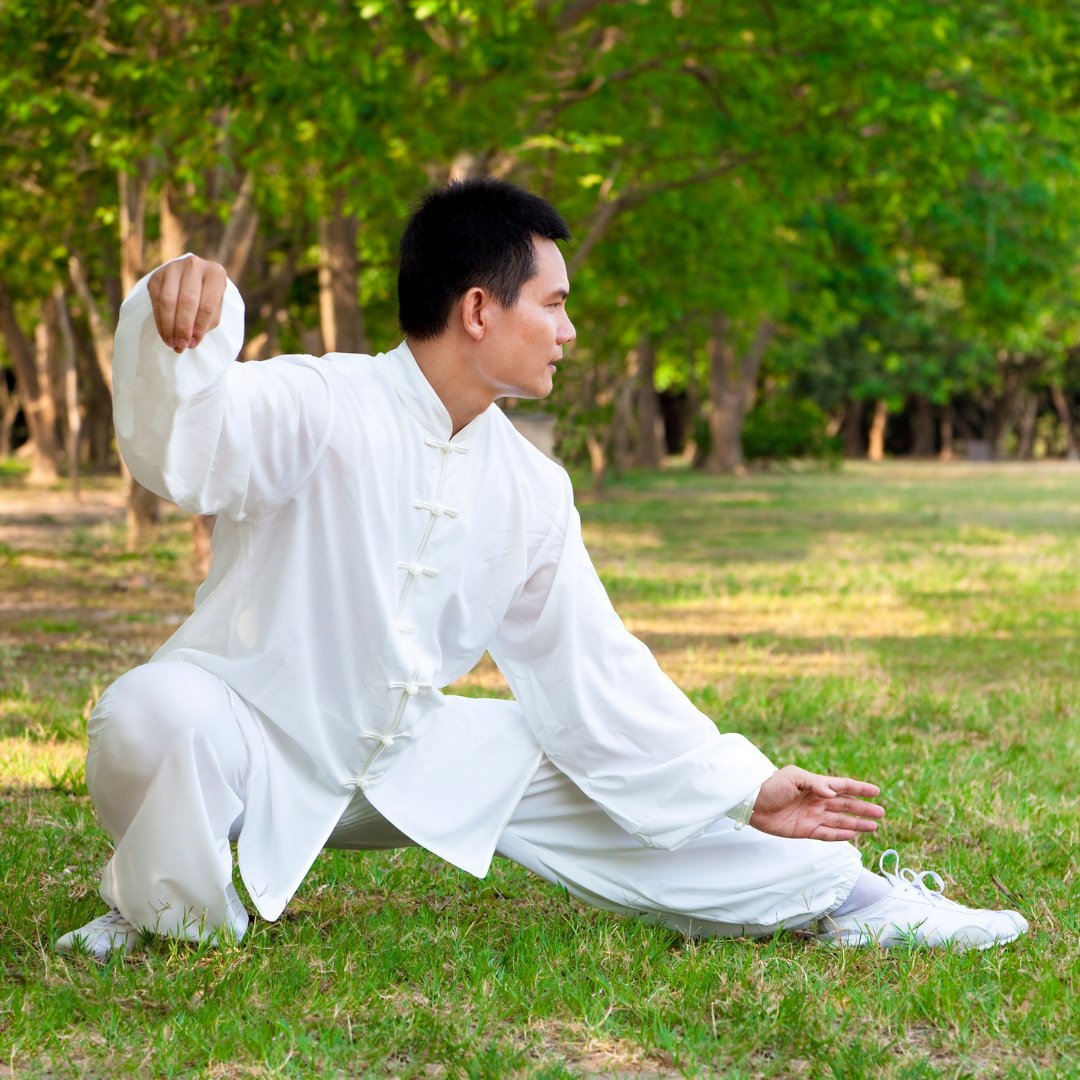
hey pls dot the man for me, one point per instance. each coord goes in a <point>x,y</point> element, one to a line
<point>381,526</point>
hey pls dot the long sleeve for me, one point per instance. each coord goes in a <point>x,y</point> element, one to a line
<point>214,435</point>
<point>605,713</point>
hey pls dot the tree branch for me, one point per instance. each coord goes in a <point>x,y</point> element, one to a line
<point>103,338</point>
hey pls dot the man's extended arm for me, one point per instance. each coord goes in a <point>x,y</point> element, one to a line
<point>608,717</point>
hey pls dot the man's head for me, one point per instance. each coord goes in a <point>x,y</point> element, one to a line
<point>470,234</point>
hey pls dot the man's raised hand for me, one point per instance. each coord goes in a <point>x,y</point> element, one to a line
<point>187,295</point>
<point>801,804</point>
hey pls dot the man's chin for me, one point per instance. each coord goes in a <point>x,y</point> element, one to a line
<point>535,393</point>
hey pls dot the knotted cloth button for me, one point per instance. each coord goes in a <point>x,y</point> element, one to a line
<point>386,738</point>
<point>446,447</point>
<point>435,509</point>
<point>416,569</point>
<point>412,688</point>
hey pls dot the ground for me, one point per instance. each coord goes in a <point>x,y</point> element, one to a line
<point>916,625</point>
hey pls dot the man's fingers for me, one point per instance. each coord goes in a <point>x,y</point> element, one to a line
<point>855,807</point>
<point>845,821</point>
<point>825,832</point>
<point>825,787</point>
<point>208,314</point>
<point>841,827</point>
<point>844,785</point>
<point>163,288</point>
<point>187,298</point>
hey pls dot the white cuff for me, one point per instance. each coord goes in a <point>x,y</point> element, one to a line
<point>742,812</point>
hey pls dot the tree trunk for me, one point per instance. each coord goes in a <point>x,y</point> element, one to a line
<point>922,427</point>
<point>100,325</point>
<point>240,229</point>
<point>70,383</point>
<point>272,311</point>
<point>10,403</point>
<point>732,389</point>
<point>851,427</point>
<point>340,317</point>
<point>45,365</point>
<point>622,422</point>
<point>174,236</point>
<point>1027,415</point>
<point>45,465</point>
<point>597,460</point>
<point>143,506</point>
<point>1004,408</point>
<point>1067,421</point>
<point>875,450</point>
<point>202,531</point>
<point>94,345</point>
<point>598,435</point>
<point>948,437</point>
<point>132,227</point>
<point>650,424</point>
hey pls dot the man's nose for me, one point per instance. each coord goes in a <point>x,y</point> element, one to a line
<point>567,333</point>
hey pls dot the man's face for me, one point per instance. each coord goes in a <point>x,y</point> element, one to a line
<point>525,342</point>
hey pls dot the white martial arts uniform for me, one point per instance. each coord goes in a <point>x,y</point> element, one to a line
<point>363,560</point>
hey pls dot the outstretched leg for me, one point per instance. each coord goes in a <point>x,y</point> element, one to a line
<point>727,882</point>
<point>735,882</point>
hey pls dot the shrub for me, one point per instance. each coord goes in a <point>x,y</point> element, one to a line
<point>779,428</point>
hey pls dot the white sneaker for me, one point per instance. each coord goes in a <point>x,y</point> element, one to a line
<point>917,913</point>
<point>107,933</point>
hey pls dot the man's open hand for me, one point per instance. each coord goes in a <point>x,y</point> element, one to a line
<point>797,803</point>
<point>187,296</point>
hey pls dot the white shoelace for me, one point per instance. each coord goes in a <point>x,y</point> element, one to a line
<point>927,883</point>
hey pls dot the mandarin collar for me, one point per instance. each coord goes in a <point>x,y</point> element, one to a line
<point>426,406</point>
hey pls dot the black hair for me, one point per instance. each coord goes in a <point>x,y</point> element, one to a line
<point>468,234</point>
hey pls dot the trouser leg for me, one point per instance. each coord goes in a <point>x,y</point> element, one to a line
<point>167,768</point>
<point>727,882</point>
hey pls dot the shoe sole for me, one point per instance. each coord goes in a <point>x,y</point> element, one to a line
<point>865,942</point>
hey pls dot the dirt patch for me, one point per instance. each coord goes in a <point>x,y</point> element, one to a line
<point>35,520</point>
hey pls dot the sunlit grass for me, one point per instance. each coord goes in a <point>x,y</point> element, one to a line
<point>913,624</point>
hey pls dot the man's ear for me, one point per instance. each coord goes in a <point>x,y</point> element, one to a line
<point>474,313</point>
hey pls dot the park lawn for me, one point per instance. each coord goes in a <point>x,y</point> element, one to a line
<point>912,624</point>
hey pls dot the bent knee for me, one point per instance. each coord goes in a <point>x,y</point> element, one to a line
<point>153,703</point>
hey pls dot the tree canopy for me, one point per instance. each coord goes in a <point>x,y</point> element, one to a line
<point>860,203</point>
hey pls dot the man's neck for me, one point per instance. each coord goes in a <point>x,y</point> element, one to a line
<point>444,370</point>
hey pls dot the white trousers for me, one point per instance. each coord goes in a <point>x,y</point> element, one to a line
<point>167,768</point>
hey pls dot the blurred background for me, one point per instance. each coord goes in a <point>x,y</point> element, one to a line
<point>802,229</point>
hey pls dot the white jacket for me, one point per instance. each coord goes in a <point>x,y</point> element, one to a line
<point>364,560</point>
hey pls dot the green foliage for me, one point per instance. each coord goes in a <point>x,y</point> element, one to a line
<point>780,428</point>
<point>895,183</point>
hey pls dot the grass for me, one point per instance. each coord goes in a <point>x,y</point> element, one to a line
<point>916,625</point>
